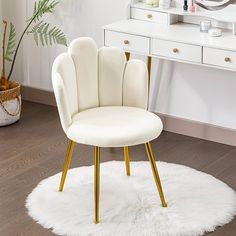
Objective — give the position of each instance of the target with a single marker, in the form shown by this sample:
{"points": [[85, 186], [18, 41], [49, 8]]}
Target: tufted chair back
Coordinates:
{"points": [[86, 77]]}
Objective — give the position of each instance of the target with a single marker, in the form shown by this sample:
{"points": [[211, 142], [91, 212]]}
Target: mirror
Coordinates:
{"points": [[214, 5]]}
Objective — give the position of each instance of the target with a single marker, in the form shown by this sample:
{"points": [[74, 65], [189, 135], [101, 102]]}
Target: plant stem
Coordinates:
{"points": [[18, 45], [3, 75], [17, 48]]}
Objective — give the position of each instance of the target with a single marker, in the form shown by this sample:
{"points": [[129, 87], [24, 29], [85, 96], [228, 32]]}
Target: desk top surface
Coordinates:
{"points": [[180, 32]]}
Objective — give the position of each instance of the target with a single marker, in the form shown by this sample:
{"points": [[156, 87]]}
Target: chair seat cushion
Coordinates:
{"points": [[114, 126]]}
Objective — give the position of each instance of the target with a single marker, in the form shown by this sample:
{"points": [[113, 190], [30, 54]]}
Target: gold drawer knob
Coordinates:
{"points": [[126, 41], [227, 59], [149, 16], [175, 50]]}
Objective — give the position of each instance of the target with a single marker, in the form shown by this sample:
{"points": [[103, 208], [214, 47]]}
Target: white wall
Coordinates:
{"points": [[186, 91], [15, 11], [194, 92], [0, 29]]}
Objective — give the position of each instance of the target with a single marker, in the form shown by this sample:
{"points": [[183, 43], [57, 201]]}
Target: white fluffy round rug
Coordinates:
{"points": [[197, 202]]}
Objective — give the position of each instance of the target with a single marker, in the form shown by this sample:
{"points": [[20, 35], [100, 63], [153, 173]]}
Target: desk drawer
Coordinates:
{"points": [[218, 57], [127, 42], [181, 51], [158, 17]]}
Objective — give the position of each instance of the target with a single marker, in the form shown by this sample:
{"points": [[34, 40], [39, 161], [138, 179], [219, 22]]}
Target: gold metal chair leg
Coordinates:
{"points": [[66, 164], [96, 183], [155, 173], [127, 162]]}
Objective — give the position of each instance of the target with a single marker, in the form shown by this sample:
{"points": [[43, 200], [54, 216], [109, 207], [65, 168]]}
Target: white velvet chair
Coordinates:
{"points": [[102, 101]]}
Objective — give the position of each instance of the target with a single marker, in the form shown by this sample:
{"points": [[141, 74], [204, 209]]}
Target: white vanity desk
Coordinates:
{"points": [[175, 35]]}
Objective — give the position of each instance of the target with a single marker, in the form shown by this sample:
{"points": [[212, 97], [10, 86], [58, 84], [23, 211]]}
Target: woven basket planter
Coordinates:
{"points": [[10, 104]]}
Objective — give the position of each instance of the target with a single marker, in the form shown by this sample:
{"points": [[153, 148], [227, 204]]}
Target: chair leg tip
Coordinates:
{"points": [[60, 190], [164, 204]]}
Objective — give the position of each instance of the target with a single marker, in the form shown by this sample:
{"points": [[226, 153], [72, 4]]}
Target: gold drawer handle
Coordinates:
{"points": [[126, 41], [175, 50], [149, 16], [227, 59]]}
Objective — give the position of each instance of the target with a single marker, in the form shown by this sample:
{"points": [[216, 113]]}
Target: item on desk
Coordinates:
{"points": [[185, 5], [152, 3], [214, 32], [205, 26], [192, 7], [164, 4]]}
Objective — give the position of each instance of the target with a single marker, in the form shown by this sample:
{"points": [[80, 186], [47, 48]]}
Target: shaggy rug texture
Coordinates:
{"points": [[197, 202]]}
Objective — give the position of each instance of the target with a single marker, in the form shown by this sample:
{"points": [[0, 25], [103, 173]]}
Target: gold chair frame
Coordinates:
{"points": [[97, 173]]}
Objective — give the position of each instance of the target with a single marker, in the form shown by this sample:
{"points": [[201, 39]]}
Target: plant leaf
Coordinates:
{"points": [[42, 7], [47, 36], [36, 39], [11, 43]]}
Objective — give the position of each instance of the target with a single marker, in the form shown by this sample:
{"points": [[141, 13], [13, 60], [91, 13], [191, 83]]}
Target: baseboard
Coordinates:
{"points": [[198, 129], [173, 124], [38, 96]]}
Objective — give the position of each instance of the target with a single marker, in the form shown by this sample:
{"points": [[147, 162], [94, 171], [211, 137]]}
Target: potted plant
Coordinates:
{"points": [[44, 34]]}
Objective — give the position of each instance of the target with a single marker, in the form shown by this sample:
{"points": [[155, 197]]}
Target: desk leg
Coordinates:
{"points": [[127, 54], [126, 149], [149, 65]]}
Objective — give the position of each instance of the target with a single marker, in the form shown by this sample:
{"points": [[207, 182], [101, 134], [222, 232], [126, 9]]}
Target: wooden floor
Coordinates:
{"points": [[34, 149]]}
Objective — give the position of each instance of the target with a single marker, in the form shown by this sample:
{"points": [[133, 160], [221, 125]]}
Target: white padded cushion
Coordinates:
{"points": [[114, 126], [65, 88], [111, 65], [84, 53], [135, 85], [62, 101]]}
